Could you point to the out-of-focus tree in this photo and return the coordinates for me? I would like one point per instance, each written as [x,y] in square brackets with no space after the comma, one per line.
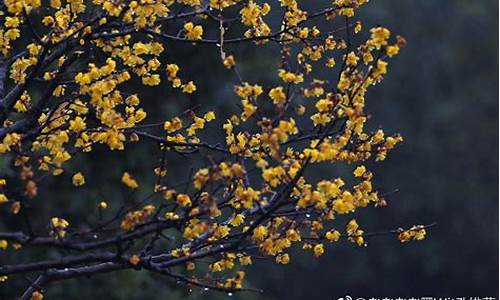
[72,78]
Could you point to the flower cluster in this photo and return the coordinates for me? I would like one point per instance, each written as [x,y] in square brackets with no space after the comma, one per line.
[417,233]
[255,196]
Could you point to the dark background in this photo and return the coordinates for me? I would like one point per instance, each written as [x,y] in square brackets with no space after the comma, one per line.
[441,94]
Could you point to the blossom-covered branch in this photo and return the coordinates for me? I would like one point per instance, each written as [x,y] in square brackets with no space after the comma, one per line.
[66,69]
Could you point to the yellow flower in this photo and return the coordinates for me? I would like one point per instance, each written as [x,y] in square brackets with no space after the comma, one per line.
[379,36]
[300,109]
[36,295]
[355,234]
[134,260]
[273,175]
[59,91]
[59,225]
[324,105]
[277,95]
[129,181]
[173,125]
[209,116]
[183,200]
[358,27]
[78,179]
[171,216]
[293,235]
[229,62]
[404,236]
[352,226]
[392,50]
[48,20]
[367,57]
[189,87]
[216,267]
[318,250]
[11,22]
[20,106]
[342,206]
[77,125]
[245,260]
[333,236]
[290,77]
[283,258]
[320,119]
[151,80]
[141,48]
[55,3]
[193,32]
[59,222]
[352,59]
[330,63]
[420,234]
[172,70]
[3,198]
[237,220]
[359,171]
[221,231]
[3,244]
[260,233]
[219,4]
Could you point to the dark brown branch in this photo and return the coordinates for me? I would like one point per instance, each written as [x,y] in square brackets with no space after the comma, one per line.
[64,262]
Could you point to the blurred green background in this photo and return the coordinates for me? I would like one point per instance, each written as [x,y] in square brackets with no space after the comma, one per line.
[441,94]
